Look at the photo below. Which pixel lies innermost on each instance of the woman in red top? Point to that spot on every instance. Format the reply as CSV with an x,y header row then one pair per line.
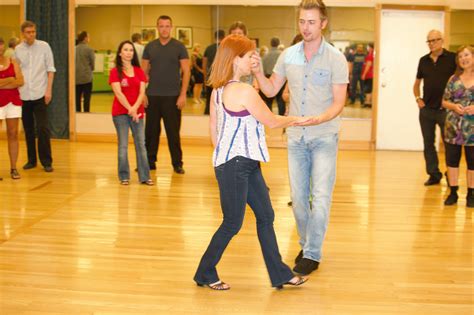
x,y
10,104
368,75
128,83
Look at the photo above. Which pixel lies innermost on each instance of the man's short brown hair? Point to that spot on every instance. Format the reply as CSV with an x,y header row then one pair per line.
x,y
314,4
27,24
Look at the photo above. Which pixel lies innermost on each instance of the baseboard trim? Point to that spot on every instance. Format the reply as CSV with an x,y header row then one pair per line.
x,y
197,140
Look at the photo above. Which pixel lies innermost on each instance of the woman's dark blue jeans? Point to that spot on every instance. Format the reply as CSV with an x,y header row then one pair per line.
x,y
240,183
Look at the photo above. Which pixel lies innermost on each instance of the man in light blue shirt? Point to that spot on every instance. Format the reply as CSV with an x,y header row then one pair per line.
x,y
317,75
37,65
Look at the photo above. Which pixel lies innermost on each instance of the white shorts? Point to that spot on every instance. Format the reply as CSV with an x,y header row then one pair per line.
x,y
10,111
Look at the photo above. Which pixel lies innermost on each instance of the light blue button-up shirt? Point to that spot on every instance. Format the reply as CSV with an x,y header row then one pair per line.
x,y
310,83
35,62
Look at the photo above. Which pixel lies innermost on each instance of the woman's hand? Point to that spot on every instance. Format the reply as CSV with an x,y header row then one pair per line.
x,y
469,110
458,109
308,121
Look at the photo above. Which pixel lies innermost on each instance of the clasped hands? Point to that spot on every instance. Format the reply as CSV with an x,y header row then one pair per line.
x,y
132,112
307,121
460,110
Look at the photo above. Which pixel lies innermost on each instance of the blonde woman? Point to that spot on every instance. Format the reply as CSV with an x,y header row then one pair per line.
x,y
197,72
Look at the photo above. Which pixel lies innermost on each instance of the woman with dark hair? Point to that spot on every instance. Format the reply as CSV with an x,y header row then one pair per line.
x,y
458,99
237,116
128,83
10,104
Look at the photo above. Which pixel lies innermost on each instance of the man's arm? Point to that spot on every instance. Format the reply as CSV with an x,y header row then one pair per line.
x,y
204,68
146,67
339,99
269,86
49,89
184,84
416,92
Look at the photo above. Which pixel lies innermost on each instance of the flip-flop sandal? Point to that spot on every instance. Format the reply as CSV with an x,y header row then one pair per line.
x,y
148,182
125,182
14,174
218,286
298,282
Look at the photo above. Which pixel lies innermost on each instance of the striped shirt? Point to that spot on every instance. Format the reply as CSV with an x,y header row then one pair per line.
x,y
238,134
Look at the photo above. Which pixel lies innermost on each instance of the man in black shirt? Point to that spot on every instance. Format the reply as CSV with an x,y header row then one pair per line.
x,y
434,69
162,60
207,60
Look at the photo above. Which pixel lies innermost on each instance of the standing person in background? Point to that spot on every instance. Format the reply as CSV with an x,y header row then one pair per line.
x,y
128,83
137,43
434,69
268,62
207,60
356,62
10,104
368,75
37,65
162,61
458,99
10,51
238,136
197,72
85,63
317,76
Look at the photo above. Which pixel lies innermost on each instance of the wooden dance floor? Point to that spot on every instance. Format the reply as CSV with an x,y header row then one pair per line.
x,y
76,242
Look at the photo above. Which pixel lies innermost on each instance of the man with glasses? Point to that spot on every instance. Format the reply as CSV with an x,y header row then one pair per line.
x,y
434,69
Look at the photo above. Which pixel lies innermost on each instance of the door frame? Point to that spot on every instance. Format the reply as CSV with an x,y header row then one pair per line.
x,y
378,21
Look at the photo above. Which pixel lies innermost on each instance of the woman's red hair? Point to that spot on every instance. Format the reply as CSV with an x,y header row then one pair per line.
x,y
222,67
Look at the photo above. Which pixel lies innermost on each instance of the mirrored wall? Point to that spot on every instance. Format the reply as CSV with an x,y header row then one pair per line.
x,y
195,25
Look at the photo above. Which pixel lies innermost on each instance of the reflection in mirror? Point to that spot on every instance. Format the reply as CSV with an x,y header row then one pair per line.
x,y
461,29
10,26
195,26
352,31
108,25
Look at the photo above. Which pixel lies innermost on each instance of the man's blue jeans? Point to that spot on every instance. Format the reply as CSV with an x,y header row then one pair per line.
x,y
312,169
122,124
240,182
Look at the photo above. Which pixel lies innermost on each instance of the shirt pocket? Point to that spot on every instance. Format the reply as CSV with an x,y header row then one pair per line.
x,y
321,77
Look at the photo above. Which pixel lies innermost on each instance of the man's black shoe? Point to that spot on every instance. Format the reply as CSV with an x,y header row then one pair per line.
x,y
152,166
48,169
28,166
432,181
179,170
305,266
298,258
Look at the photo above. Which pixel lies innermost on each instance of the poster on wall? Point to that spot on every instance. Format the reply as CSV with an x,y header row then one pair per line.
x,y
148,34
185,35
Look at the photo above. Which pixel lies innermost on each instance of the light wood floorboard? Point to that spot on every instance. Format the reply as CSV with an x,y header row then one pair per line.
x,y
76,242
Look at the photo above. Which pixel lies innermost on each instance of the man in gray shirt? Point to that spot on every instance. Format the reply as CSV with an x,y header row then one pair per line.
x,y
85,61
162,61
317,76
268,62
35,58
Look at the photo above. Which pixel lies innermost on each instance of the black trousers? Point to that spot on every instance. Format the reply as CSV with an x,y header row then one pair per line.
x,y
83,90
163,107
429,118
208,99
35,122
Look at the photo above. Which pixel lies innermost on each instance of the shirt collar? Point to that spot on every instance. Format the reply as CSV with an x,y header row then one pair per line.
x,y
320,49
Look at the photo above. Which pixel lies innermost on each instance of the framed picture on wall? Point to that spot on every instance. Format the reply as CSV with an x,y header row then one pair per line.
x,y
148,34
185,35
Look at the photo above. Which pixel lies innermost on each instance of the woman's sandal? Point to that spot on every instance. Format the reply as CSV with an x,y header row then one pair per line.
x,y
299,281
14,174
218,286
148,182
125,182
